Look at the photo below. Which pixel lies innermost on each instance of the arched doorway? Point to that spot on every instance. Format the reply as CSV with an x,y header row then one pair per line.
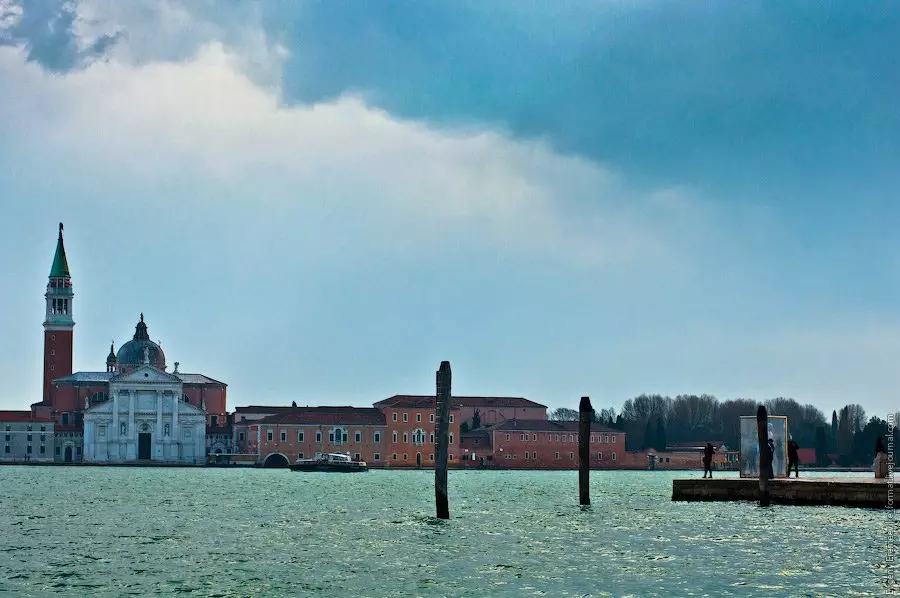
x,y
276,460
67,455
418,459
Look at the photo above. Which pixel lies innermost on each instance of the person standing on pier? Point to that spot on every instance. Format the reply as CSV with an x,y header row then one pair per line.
x,y
793,457
708,453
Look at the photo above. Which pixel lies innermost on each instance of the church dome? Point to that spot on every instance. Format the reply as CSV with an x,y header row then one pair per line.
x,y
131,354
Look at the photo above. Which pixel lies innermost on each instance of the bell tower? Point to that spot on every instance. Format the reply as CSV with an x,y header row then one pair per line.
x,y
58,322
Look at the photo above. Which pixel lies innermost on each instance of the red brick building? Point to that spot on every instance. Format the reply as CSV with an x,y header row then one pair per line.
x,y
411,426
544,444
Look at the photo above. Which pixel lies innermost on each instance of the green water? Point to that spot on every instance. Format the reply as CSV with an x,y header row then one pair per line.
x,y
114,531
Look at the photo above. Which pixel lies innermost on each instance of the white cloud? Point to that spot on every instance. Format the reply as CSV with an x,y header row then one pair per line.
x,y
205,119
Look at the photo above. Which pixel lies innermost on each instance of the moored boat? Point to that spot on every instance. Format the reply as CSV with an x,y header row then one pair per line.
x,y
329,462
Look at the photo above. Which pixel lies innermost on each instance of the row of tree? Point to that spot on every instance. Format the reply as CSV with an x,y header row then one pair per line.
x,y
656,421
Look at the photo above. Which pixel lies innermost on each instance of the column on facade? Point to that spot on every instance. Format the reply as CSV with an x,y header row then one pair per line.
x,y
159,419
131,432
176,436
114,432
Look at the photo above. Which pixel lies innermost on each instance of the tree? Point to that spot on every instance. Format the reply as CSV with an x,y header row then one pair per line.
x,y
564,415
694,417
464,427
730,413
649,436
822,459
476,420
293,403
864,441
660,439
834,429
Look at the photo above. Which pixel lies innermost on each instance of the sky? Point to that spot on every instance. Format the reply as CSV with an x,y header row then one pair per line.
x,y
320,201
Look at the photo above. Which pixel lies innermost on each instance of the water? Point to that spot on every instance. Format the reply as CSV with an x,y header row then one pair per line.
x,y
227,532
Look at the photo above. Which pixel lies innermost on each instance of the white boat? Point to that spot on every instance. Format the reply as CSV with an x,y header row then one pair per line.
x,y
329,462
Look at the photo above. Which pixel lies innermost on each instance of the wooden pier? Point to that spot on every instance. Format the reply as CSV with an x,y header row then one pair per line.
x,y
837,491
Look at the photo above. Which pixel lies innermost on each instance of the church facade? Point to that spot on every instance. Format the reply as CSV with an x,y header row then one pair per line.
x,y
146,419
135,410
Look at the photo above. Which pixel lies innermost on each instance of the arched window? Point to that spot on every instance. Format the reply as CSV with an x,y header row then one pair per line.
x,y
418,436
338,436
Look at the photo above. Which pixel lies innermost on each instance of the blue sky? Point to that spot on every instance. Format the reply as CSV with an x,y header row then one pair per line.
x,y
321,201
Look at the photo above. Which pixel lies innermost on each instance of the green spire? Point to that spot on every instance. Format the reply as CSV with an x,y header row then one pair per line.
x,y
60,268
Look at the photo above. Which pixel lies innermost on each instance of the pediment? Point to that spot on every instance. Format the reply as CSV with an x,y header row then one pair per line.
x,y
146,374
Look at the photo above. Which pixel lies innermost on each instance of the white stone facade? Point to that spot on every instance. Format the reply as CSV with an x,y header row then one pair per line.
x,y
145,420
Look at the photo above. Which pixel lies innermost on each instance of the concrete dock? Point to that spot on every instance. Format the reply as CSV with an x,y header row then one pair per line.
x,y
836,491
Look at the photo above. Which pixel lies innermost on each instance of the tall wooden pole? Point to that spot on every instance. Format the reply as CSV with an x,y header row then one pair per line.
x,y
585,414
762,437
443,431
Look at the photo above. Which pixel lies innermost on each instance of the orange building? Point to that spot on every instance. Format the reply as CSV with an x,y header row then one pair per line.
x,y
544,444
411,427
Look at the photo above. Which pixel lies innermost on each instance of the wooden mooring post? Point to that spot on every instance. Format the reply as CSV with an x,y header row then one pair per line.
x,y
443,429
585,415
762,437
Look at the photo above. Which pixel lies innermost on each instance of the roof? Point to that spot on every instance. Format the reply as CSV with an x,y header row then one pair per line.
x,y
414,402
359,416
60,267
21,416
497,402
85,378
197,379
264,409
103,377
546,425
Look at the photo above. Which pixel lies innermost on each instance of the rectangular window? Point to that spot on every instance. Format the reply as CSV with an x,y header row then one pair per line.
x,y
394,438
613,438
29,449
393,417
613,456
592,438
534,455
606,439
406,417
358,436
65,419
43,428
431,418
394,456
405,457
283,436
431,457
405,438
213,420
377,437
571,438
377,456
556,455
534,437
600,455
43,438
507,436
42,449
571,455
451,455
431,438
331,437
451,419
299,455
451,437
523,437
549,437
356,456
300,436
557,437
240,436
319,436
29,438
418,417
270,435
526,454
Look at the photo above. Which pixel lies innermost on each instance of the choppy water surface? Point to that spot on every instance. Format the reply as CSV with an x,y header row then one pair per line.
x,y
77,531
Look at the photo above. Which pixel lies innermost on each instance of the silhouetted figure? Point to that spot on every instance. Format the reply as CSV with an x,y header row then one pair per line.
x,y
793,457
770,456
708,452
880,465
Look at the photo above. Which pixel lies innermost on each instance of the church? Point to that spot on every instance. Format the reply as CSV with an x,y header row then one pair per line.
x,y
133,411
